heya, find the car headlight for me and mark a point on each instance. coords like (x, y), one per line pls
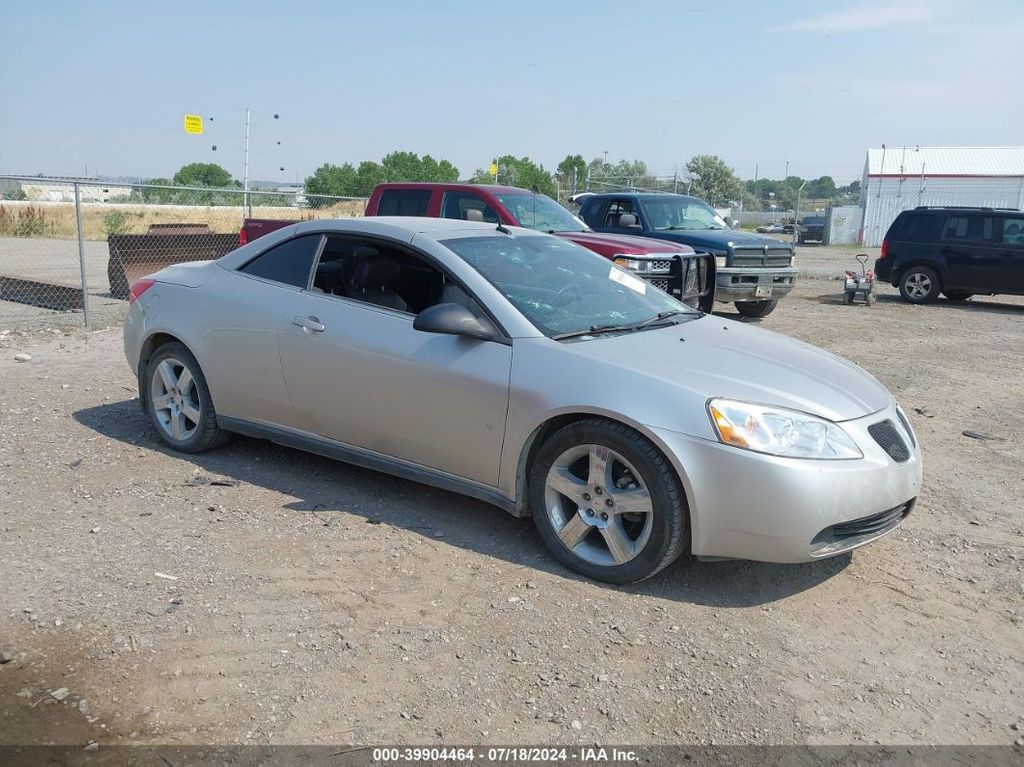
(720, 261)
(778, 431)
(631, 263)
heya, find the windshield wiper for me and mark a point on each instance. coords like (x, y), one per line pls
(627, 327)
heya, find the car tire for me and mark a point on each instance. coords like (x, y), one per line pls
(581, 481)
(919, 285)
(178, 400)
(956, 295)
(756, 309)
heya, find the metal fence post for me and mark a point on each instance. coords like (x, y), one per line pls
(81, 254)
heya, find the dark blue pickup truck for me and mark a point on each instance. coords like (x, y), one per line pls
(754, 271)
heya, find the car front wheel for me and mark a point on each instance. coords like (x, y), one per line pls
(756, 309)
(178, 400)
(607, 503)
(919, 285)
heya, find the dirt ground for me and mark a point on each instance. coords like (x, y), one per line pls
(305, 601)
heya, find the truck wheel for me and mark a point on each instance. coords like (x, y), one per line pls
(756, 309)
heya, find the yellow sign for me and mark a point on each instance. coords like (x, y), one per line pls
(193, 124)
(493, 170)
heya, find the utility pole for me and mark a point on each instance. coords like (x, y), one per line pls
(675, 180)
(245, 172)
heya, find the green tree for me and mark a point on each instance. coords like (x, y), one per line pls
(624, 174)
(572, 170)
(349, 180)
(518, 171)
(203, 174)
(328, 179)
(712, 180)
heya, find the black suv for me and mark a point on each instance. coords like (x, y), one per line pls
(958, 252)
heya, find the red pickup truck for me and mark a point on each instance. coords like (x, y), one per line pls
(674, 268)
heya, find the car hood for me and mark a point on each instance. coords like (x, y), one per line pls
(719, 239)
(724, 358)
(622, 243)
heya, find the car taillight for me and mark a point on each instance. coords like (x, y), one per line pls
(139, 287)
(885, 249)
(243, 236)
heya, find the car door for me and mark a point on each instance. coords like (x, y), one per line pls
(1010, 271)
(359, 373)
(240, 335)
(971, 250)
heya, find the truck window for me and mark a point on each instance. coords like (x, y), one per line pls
(615, 209)
(458, 204)
(404, 202)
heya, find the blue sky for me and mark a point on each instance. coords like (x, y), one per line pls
(106, 84)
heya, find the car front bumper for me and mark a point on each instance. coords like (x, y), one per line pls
(747, 505)
(745, 284)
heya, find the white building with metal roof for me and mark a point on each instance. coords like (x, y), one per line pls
(903, 177)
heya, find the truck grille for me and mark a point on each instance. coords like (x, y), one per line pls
(889, 439)
(773, 257)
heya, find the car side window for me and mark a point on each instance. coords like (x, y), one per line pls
(404, 202)
(376, 273)
(615, 209)
(969, 229)
(288, 263)
(467, 206)
(1013, 231)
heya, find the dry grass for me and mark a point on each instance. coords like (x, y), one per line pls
(57, 220)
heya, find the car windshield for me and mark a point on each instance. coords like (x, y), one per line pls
(562, 287)
(676, 213)
(540, 212)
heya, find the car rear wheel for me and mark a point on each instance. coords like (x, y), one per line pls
(607, 503)
(178, 400)
(919, 285)
(957, 295)
(756, 309)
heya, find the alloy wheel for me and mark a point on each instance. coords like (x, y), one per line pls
(175, 399)
(919, 285)
(598, 505)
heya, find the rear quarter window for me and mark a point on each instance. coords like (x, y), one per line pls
(919, 227)
(404, 202)
(288, 263)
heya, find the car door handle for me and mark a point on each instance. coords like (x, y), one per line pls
(309, 324)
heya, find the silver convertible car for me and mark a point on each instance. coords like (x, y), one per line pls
(528, 372)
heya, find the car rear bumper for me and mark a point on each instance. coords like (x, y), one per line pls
(743, 284)
(746, 505)
(883, 269)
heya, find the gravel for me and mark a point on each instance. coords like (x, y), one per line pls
(297, 622)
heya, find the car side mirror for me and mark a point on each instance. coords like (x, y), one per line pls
(628, 221)
(454, 320)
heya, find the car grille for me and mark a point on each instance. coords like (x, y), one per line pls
(773, 257)
(659, 266)
(889, 439)
(660, 283)
(845, 534)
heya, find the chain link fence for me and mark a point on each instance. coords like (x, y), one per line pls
(70, 249)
